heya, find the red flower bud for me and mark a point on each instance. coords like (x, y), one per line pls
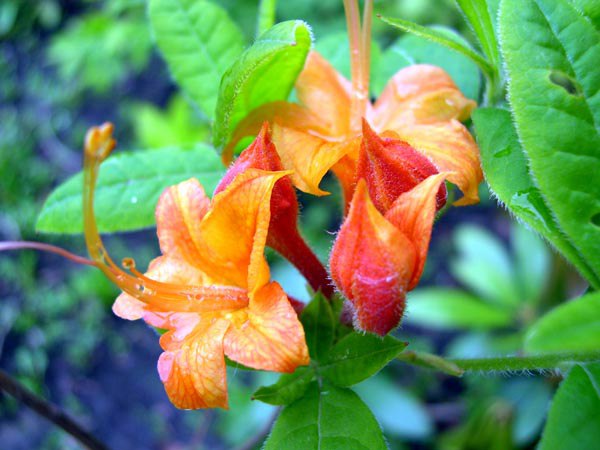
(392, 167)
(283, 234)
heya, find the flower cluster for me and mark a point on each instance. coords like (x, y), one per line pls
(211, 290)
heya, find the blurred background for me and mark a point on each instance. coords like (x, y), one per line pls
(67, 65)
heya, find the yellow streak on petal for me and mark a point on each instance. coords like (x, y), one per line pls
(267, 335)
(413, 214)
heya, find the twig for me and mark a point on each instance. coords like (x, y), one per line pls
(51, 412)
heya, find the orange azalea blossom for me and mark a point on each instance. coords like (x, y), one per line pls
(210, 289)
(377, 258)
(420, 106)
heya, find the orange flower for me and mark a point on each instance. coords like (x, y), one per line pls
(210, 288)
(421, 105)
(377, 258)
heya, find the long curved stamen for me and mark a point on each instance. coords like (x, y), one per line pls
(162, 296)
(366, 49)
(40, 246)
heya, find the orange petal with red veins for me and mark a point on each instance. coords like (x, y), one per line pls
(413, 214)
(391, 167)
(372, 263)
(178, 214)
(452, 149)
(234, 232)
(193, 370)
(420, 94)
(326, 93)
(267, 335)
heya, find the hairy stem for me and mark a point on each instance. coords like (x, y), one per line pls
(51, 412)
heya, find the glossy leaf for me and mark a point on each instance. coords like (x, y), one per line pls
(319, 326)
(551, 53)
(264, 73)
(453, 309)
(443, 39)
(505, 168)
(478, 16)
(128, 189)
(288, 388)
(573, 420)
(199, 42)
(411, 49)
(357, 357)
(572, 326)
(326, 418)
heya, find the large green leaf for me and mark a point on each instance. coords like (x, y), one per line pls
(128, 188)
(506, 171)
(288, 388)
(572, 326)
(199, 42)
(443, 39)
(326, 418)
(589, 8)
(452, 309)
(264, 73)
(357, 357)
(551, 53)
(478, 16)
(411, 49)
(319, 326)
(574, 418)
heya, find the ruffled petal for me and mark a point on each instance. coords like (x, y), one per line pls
(267, 335)
(234, 233)
(326, 93)
(452, 149)
(419, 94)
(413, 214)
(193, 369)
(178, 214)
(372, 263)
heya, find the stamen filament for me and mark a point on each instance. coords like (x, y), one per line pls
(165, 297)
(366, 50)
(19, 245)
(356, 57)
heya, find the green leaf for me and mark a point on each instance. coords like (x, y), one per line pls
(199, 42)
(551, 54)
(589, 8)
(319, 326)
(453, 309)
(574, 418)
(484, 266)
(572, 326)
(128, 189)
(478, 16)
(289, 387)
(411, 49)
(443, 39)
(264, 73)
(357, 357)
(328, 419)
(506, 171)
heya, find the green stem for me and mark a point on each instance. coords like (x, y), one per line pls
(457, 367)
(266, 16)
(524, 363)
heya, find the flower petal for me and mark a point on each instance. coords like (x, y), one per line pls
(452, 149)
(234, 232)
(372, 263)
(193, 370)
(267, 335)
(391, 167)
(419, 94)
(413, 214)
(326, 93)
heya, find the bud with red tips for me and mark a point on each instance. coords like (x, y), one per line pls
(377, 259)
(392, 167)
(283, 236)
